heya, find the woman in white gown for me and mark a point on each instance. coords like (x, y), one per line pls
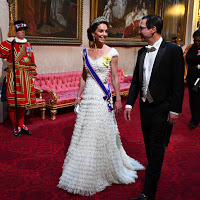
(96, 158)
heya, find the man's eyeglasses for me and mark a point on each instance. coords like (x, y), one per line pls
(142, 28)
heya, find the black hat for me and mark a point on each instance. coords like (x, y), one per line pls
(19, 24)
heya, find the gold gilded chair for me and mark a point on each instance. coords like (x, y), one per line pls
(40, 103)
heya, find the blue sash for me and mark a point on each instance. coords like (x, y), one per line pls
(98, 81)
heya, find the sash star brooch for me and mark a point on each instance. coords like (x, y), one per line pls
(106, 60)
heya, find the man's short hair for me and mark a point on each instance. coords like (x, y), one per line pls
(154, 20)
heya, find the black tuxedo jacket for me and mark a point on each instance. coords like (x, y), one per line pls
(167, 77)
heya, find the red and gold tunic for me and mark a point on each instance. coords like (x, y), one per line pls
(25, 70)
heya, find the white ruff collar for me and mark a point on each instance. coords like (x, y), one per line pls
(17, 40)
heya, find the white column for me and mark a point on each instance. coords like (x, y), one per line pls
(4, 26)
(192, 16)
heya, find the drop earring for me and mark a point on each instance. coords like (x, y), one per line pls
(93, 37)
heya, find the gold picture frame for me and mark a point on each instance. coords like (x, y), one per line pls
(124, 24)
(123, 31)
(50, 22)
(174, 20)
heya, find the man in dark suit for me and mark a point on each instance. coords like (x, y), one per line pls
(159, 78)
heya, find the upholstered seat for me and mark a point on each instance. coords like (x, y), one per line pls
(60, 89)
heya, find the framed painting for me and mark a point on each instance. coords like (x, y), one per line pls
(174, 20)
(124, 17)
(51, 21)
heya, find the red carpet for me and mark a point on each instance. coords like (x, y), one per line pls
(31, 165)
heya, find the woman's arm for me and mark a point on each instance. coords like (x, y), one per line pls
(115, 83)
(81, 87)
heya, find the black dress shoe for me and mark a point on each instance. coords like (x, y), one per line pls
(141, 197)
(25, 130)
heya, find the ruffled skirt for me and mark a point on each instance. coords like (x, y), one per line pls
(96, 158)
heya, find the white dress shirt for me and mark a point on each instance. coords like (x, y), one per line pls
(148, 65)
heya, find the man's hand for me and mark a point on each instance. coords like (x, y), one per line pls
(172, 118)
(127, 114)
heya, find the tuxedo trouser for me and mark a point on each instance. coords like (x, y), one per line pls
(156, 133)
(194, 101)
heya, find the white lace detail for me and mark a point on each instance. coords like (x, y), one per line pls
(96, 158)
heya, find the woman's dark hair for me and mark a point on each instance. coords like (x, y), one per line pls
(196, 33)
(95, 23)
(154, 20)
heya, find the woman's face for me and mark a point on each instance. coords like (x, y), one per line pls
(101, 33)
(197, 41)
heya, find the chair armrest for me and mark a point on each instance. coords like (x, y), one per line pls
(54, 99)
(49, 96)
(39, 91)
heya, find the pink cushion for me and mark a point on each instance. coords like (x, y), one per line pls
(66, 84)
(58, 82)
(38, 100)
(66, 97)
(120, 76)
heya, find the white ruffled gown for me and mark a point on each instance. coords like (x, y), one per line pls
(96, 157)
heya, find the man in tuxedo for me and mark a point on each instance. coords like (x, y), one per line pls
(159, 78)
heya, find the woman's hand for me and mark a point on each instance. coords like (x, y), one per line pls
(77, 101)
(118, 107)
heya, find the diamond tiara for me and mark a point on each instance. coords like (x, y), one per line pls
(98, 20)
